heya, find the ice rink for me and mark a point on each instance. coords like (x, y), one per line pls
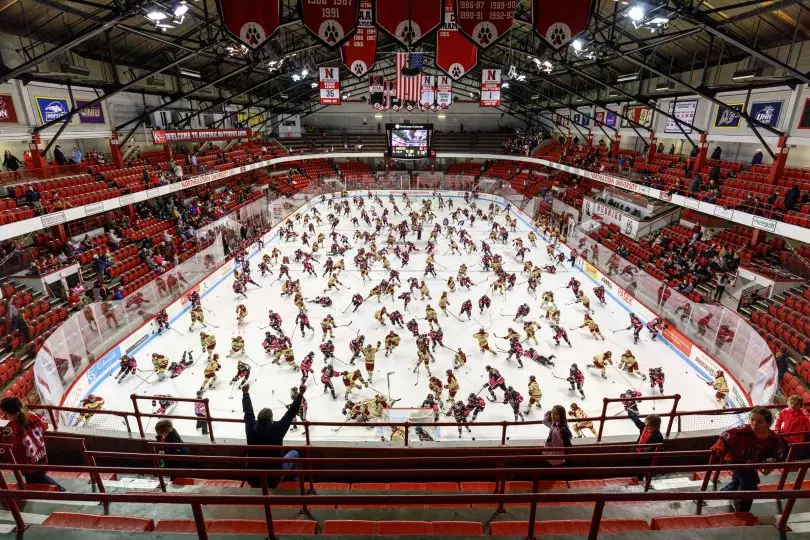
(271, 384)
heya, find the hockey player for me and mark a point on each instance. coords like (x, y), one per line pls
(460, 412)
(576, 379)
(356, 347)
(703, 324)
(391, 342)
(577, 414)
(194, 298)
(159, 363)
(513, 398)
(443, 303)
(380, 315)
(721, 387)
(352, 381)
(241, 313)
(274, 321)
(431, 317)
(302, 411)
(602, 360)
(522, 311)
(459, 359)
(208, 343)
(237, 346)
(657, 378)
(302, 320)
(531, 354)
(630, 401)
(530, 327)
(496, 380)
(430, 403)
(552, 313)
(357, 301)
(163, 403)
(484, 302)
(197, 316)
(452, 386)
(592, 327)
(162, 320)
(210, 373)
(369, 356)
(559, 333)
(323, 301)
(636, 325)
(435, 385)
(128, 365)
(90, 403)
(327, 374)
(466, 307)
(483, 343)
(327, 327)
(328, 351)
(177, 368)
(406, 299)
(242, 372)
(333, 284)
(629, 364)
(396, 319)
(355, 411)
(413, 327)
(599, 292)
(534, 394)
(239, 288)
(422, 359)
(585, 301)
(573, 284)
(475, 405)
(517, 350)
(306, 367)
(655, 327)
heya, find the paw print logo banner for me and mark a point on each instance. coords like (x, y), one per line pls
(485, 21)
(408, 21)
(455, 53)
(359, 52)
(560, 22)
(331, 21)
(252, 22)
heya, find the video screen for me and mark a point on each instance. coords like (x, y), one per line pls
(409, 141)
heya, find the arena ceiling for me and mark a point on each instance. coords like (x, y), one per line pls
(695, 37)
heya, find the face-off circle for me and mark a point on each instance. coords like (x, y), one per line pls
(408, 31)
(558, 34)
(252, 33)
(331, 31)
(485, 33)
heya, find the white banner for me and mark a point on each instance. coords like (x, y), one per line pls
(427, 92)
(330, 85)
(490, 87)
(609, 214)
(444, 91)
(682, 110)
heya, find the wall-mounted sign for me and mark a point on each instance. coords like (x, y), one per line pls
(51, 109)
(728, 117)
(766, 112)
(684, 111)
(7, 112)
(91, 115)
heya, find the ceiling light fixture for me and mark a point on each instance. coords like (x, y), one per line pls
(627, 78)
(505, 85)
(577, 45)
(665, 86)
(190, 73)
(439, 116)
(154, 13)
(180, 9)
(745, 74)
(378, 116)
(636, 13)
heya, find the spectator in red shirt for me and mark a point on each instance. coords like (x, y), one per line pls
(25, 432)
(793, 419)
(753, 443)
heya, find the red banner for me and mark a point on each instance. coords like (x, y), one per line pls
(160, 136)
(332, 21)
(408, 21)
(455, 53)
(251, 21)
(359, 52)
(7, 111)
(559, 22)
(485, 22)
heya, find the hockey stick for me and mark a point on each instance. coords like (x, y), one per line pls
(556, 377)
(621, 330)
(342, 325)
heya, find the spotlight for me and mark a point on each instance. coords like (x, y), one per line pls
(636, 13)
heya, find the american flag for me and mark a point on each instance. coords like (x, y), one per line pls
(407, 88)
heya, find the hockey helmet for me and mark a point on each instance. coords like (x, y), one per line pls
(532, 378)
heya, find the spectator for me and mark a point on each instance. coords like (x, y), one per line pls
(723, 281)
(201, 412)
(694, 185)
(10, 162)
(262, 430)
(178, 171)
(33, 198)
(25, 432)
(714, 174)
(58, 156)
(77, 155)
(757, 159)
(115, 242)
(752, 443)
(165, 433)
(672, 150)
(559, 435)
(793, 419)
(694, 152)
(791, 198)
(717, 152)
(147, 178)
(649, 429)
(782, 360)
(660, 148)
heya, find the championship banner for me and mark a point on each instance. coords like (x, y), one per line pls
(559, 22)
(359, 51)
(375, 91)
(449, 14)
(485, 22)
(456, 55)
(639, 114)
(250, 21)
(365, 18)
(329, 85)
(332, 21)
(427, 92)
(490, 87)
(390, 96)
(408, 21)
(444, 91)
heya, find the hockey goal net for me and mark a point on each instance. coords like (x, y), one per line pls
(414, 415)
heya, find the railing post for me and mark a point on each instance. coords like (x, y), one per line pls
(137, 416)
(649, 475)
(596, 519)
(781, 526)
(602, 419)
(14, 509)
(199, 521)
(533, 507)
(52, 416)
(672, 415)
(503, 432)
(407, 433)
(208, 420)
(704, 486)
(95, 477)
(306, 433)
(268, 514)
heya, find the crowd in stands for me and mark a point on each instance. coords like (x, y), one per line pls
(524, 140)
